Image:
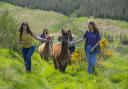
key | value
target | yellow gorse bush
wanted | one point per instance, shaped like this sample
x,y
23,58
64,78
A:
x,y
105,51
103,44
78,56
109,53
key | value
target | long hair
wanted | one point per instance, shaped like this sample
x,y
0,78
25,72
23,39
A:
x,y
70,33
94,26
45,31
21,29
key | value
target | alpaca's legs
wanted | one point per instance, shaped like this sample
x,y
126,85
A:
x,y
61,68
55,63
41,55
65,67
46,57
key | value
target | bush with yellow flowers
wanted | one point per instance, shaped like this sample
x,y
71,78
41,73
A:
x,y
109,53
105,52
103,44
78,56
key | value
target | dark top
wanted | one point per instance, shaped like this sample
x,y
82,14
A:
x,y
43,36
92,38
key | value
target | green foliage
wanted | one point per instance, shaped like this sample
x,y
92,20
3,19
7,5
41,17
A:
x,y
8,30
13,76
37,19
44,76
111,73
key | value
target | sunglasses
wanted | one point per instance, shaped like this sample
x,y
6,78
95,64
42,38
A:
x,y
24,23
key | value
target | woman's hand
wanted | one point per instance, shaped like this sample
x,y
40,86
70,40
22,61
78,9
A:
x,y
81,39
38,38
92,50
71,43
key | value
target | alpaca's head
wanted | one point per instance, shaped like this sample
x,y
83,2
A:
x,y
65,36
49,37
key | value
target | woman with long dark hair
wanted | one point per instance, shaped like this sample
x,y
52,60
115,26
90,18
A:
x,y
92,43
44,33
26,39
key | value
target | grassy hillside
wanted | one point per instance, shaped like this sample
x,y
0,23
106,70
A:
x,y
39,19
97,8
112,73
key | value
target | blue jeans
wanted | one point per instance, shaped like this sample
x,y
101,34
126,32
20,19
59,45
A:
x,y
27,53
91,58
71,49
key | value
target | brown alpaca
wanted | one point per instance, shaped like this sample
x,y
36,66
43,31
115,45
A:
x,y
45,49
60,53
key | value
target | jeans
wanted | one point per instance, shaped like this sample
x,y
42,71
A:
x,y
27,53
71,49
91,58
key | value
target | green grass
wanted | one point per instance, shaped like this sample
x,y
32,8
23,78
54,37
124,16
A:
x,y
112,74
37,19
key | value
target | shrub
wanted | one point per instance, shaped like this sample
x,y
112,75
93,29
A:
x,y
105,52
78,56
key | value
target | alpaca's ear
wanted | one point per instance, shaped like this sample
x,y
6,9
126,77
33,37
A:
x,y
62,30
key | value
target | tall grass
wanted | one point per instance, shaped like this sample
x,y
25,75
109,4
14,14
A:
x,y
8,30
112,74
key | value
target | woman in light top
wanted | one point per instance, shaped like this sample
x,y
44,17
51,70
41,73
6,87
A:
x,y
26,39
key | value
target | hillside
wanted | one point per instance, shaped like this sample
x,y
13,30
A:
x,y
114,9
39,19
112,73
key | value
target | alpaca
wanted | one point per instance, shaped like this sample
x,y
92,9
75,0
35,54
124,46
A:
x,y
45,49
60,53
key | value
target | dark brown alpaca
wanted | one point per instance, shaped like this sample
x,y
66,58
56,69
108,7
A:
x,y
60,53
45,49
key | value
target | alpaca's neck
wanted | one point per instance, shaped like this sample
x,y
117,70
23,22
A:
x,y
47,44
64,47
